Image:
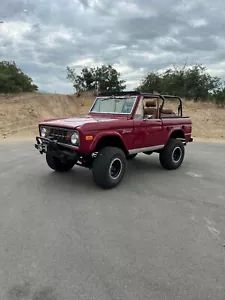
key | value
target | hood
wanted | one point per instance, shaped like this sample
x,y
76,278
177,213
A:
x,y
76,122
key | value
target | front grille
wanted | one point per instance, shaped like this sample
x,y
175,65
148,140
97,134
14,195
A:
x,y
59,134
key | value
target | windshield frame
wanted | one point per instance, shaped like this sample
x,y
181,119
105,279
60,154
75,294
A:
x,y
114,113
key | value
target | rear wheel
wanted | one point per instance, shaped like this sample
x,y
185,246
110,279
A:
x,y
109,167
57,164
172,156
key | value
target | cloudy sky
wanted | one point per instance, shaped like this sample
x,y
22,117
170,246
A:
x,y
135,36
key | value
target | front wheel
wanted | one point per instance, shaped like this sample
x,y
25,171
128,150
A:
x,y
109,167
58,165
172,156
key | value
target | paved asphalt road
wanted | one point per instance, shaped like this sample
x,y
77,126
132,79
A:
x,y
159,235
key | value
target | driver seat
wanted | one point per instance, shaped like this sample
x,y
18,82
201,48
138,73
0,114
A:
x,y
150,108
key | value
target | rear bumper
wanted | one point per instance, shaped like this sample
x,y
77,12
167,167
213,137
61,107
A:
x,y
57,148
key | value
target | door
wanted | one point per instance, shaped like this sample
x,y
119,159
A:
x,y
148,130
148,133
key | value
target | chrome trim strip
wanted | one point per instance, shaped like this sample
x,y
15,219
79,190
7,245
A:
x,y
152,148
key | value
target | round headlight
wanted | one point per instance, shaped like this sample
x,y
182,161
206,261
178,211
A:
x,y
75,138
43,132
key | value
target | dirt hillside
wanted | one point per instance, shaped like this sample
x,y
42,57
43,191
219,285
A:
x,y
19,114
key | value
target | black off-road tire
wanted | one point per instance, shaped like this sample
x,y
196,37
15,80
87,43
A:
x,y
56,164
172,156
131,156
109,167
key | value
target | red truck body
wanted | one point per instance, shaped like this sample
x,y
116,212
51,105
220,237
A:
x,y
136,135
145,127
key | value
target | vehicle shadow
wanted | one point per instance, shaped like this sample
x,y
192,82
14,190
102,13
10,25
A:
x,y
80,180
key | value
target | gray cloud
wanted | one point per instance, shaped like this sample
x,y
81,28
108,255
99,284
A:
x,y
43,37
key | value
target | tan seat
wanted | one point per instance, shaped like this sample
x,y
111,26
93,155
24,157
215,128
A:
x,y
150,111
150,108
165,112
151,103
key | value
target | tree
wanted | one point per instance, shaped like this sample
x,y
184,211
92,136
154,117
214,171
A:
x,y
219,95
13,80
199,84
104,78
151,82
190,82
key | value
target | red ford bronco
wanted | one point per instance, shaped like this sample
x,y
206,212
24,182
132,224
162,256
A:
x,y
117,128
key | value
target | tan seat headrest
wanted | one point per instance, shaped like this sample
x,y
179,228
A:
x,y
151,103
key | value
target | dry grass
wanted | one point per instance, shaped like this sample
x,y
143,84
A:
x,y
208,120
19,114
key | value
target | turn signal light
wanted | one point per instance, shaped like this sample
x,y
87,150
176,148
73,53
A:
x,y
89,137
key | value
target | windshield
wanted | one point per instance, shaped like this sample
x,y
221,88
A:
x,y
114,105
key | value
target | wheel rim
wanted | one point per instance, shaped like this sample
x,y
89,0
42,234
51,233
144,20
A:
x,y
115,168
177,154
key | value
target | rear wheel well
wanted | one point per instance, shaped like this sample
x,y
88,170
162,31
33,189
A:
x,y
113,141
177,134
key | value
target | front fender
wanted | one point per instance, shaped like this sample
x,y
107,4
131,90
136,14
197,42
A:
x,y
107,134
